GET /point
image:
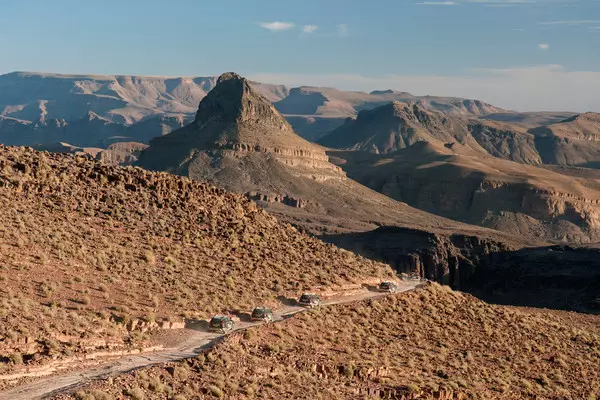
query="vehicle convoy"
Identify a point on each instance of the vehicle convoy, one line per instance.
(389, 287)
(262, 314)
(309, 300)
(221, 323)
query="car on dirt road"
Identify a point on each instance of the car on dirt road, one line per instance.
(388, 287)
(221, 323)
(309, 300)
(262, 314)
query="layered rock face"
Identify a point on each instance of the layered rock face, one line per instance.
(555, 277)
(448, 259)
(395, 126)
(574, 141)
(234, 121)
(240, 142)
(524, 200)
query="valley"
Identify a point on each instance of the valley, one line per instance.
(121, 243)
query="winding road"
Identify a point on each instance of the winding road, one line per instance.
(198, 341)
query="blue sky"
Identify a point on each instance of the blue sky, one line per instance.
(523, 54)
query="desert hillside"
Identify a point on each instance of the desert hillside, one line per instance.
(240, 142)
(94, 255)
(485, 191)
(430, 343)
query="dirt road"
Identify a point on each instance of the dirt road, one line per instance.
(199, 340)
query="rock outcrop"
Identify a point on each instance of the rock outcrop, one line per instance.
(240, 142)
(525, 200)
(559, 277)
(395, 126)
(449, 259)
(574, 141)
(234, 121)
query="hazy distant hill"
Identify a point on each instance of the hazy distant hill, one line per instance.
(28, 97)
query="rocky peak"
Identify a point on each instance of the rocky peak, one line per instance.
(234, 101)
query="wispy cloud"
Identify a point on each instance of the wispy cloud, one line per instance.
(309, 28)
(534, 88)
(342, 30)
(277, 26)
(544, 46)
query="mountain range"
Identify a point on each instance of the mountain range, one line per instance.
(37, 102)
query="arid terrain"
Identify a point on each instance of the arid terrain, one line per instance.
(109, 267)
(430, 343)
(96, 257)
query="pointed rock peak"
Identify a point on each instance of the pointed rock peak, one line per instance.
(230, 76)
(234, 101)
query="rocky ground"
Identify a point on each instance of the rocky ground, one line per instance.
(94, 255)
(431, 343)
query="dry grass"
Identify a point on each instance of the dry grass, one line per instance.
(88, 248)
(428, 344)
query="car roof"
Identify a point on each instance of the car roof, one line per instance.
(220, 317)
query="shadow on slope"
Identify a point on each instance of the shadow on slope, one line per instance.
(558, 277)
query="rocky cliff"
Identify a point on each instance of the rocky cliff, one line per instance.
(240, 142)
(524, 200)
(234, 121)
(449, 259)
(396, 125)
(558, 277)
(574, 141)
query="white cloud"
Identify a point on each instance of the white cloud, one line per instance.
(342, 30)
(309, 28)
(545, 87)
(277, 26)
(544, 46)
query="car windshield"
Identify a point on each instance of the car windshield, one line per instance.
(217, 322)
(259, 311)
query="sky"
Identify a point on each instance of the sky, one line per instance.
(518, 54)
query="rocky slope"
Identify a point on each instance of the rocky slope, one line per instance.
(240, 142)
(556, 277)
(574, 141)
(93, 255)
(451, 259)
(395, 126)
(431, 343)
(504, 195)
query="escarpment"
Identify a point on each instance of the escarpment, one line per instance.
(519, 199)
(449, 259)
(240, 142)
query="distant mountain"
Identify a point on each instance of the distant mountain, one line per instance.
(529, 119)
(332, 102)
(240, 142)
(524, 200)
(395, 126)
(574, 141)
(128, 100)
